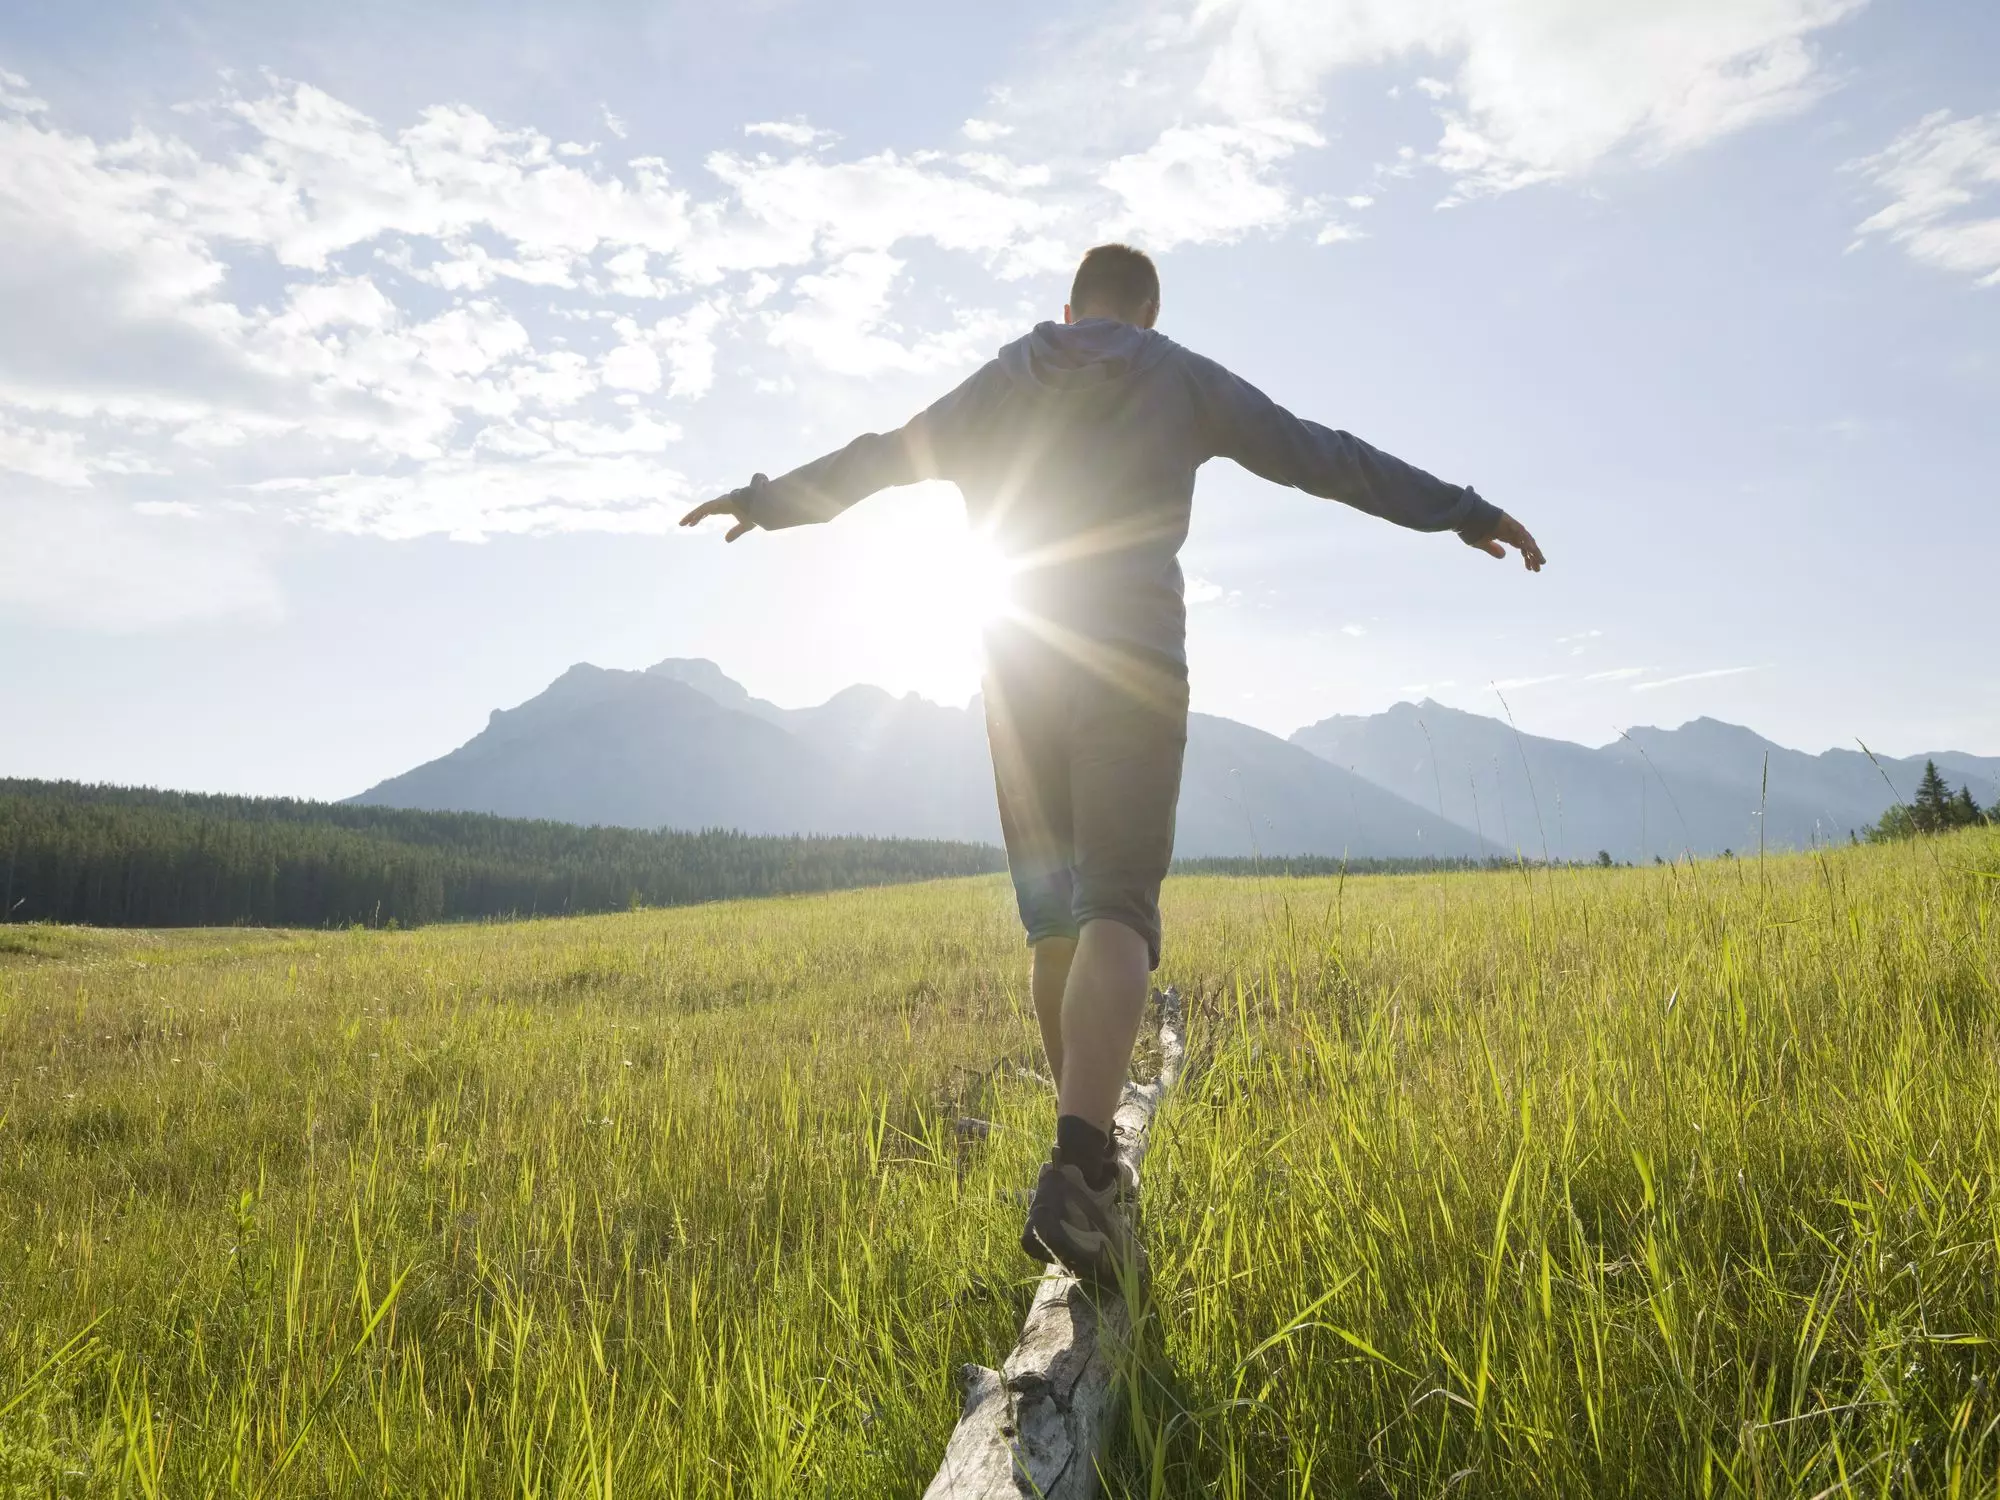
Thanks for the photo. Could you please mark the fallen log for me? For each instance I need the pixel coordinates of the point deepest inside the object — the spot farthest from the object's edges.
(1040, 1424)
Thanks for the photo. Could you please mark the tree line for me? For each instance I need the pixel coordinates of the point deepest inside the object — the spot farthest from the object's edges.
(1935, 809)
(132, 857)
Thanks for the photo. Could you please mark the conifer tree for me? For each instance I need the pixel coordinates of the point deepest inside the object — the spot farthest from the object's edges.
(1964, 811)
(1931, 809)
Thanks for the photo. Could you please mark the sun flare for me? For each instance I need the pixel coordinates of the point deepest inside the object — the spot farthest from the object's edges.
(921, 590)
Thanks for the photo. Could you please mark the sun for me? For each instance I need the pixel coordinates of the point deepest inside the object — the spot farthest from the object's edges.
(919, 587)
(986, 578)
(957, 580)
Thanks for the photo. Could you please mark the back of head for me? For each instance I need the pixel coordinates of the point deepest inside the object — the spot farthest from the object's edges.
(1116, 281)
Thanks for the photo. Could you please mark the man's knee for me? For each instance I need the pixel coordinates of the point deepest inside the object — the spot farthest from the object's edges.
(1126, 924)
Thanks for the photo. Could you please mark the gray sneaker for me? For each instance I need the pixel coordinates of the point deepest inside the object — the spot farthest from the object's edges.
(1125, 1189)
(1087, 1230)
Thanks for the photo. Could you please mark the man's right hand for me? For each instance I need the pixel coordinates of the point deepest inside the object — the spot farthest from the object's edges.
(1508, 532)
(735, 505)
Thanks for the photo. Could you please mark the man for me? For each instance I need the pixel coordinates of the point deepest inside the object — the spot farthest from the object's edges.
(1076, 451)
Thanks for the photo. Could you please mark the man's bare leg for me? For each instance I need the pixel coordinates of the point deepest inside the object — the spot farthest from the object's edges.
(1102, 1006)
(1052, 962)
(1081, 1212)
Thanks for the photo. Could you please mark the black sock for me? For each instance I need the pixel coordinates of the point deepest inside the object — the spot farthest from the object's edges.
(1082, 1145)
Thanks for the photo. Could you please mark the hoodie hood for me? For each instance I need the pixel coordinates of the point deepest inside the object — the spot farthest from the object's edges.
(1083, 356)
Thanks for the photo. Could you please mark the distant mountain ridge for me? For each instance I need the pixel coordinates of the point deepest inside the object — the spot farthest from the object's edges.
(683, 745)
(1653, 792)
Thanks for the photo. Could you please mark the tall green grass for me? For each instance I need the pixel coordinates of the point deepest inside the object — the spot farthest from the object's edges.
(1657, 1182)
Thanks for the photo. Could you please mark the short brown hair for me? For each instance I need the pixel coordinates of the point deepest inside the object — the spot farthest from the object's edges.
(1115, 280)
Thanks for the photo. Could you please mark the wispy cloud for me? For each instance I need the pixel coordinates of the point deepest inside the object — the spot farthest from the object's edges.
(1943, 177)
(1711, 673)
(1544, 89)
(1615, 674)
(791, 132)
(1509, 684)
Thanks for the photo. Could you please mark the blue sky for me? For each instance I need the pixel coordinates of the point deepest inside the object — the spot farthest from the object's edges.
(355, 364)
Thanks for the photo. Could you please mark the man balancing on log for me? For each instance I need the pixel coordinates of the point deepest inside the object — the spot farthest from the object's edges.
(1076, 451)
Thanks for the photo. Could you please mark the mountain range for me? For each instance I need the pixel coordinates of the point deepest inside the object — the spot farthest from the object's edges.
(1652, 792)
(682, 745)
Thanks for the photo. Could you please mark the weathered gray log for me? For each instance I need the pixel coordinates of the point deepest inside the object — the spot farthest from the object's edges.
(1039, 1425)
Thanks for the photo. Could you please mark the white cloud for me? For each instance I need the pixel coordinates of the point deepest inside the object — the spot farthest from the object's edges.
(985, 130)
(791, 212)
(470, 340)
(1943, 177)
(1354, 630)
(688, 341)
(53, 455)
(1337, 233)
(999, 169)
(1615, 674)
(791, 132)
(1544, 89)
(213, 433)
(1207, 184)
(1509, 684)
(466, 266)
(631, 276)
(14, 95)
(346, 302)
(470, 499)
(631, 367)
(1712, 672)
(321, 177)
(841, 322)
(640, 435)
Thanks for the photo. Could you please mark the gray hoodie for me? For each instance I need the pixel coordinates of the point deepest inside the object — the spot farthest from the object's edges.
(1076, 451)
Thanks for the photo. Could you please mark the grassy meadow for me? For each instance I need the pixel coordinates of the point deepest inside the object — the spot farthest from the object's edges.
(1656, 1182)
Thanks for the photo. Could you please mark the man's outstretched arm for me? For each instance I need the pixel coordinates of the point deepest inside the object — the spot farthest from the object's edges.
(1269, 441)
(923, 448)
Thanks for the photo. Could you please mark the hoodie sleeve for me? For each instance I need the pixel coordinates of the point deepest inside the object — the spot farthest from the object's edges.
(931, 445)
(1248, 426)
